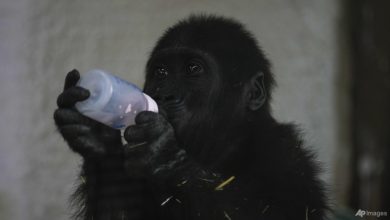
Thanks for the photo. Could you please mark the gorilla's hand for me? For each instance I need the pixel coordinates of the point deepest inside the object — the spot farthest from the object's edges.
(152, 149)
(84, 135)
(153, 152)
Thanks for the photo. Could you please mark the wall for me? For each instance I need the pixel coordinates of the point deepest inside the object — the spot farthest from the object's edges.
(40, 41)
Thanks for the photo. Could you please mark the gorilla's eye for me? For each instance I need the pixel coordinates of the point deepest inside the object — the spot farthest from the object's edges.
(194, 68)
(161, 72)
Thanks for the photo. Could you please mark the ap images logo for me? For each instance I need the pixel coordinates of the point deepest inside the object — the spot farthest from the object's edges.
(362, 213)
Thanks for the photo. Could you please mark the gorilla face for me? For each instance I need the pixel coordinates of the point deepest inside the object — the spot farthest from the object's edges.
(192, 93)
(183, 81)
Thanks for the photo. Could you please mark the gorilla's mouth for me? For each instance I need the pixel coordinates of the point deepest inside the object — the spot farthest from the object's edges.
(173, 107)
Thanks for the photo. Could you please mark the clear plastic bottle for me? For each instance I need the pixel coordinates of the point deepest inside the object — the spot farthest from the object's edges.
(112, 101)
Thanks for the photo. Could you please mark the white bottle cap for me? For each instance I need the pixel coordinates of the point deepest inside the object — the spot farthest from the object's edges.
(151, 104)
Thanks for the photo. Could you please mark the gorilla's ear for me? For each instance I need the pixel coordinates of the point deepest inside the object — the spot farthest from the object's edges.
(256, 93)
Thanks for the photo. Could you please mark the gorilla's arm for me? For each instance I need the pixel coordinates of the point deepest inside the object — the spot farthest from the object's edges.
(105, 191)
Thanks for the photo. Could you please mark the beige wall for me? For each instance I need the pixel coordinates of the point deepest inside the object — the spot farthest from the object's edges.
(41, 40)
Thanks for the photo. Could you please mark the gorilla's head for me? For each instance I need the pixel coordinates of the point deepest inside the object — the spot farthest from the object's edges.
(208, 74)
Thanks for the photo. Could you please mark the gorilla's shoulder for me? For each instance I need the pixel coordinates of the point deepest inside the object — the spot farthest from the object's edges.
(286, 168)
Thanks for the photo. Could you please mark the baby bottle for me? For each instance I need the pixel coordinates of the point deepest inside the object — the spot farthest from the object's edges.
(112, 101)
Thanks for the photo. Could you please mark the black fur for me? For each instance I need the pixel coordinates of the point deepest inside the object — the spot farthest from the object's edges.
(275, 175)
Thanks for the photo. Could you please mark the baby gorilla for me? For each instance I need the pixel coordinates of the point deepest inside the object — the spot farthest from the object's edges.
(213, 152)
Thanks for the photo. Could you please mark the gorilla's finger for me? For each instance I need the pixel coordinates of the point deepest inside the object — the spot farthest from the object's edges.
(135, 133)
(140, 133)
(74, 131)
(64, 116)
(145, 132)
(147, 117)
(87, 146)
(71, 79)
(72, 95)
(134, 152)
